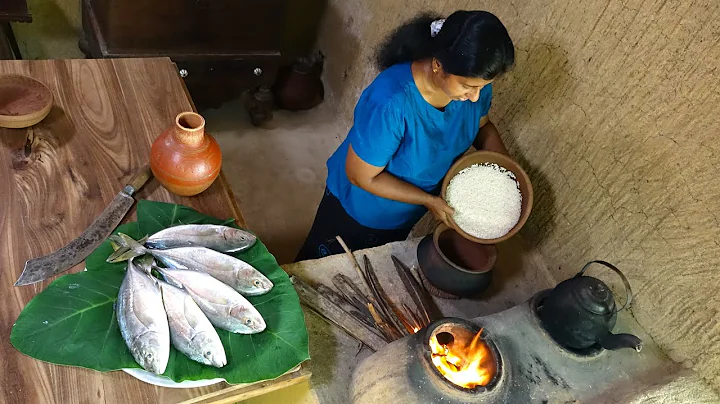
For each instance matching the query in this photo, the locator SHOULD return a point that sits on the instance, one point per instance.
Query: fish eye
(149, 356)
(248, 322)
(208, 354)
(257, 283)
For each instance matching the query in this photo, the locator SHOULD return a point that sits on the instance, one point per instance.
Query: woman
(420, 114)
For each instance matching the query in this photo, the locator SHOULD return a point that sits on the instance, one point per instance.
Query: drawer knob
(257, 71)
(183, 73)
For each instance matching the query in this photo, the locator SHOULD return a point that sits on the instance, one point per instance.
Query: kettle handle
(614, 268)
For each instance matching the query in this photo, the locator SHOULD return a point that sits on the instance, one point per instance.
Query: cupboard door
(193, 26)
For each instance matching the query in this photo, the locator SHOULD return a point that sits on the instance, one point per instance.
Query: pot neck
(190, 129)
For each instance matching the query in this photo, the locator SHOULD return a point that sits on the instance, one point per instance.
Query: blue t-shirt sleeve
(377, 132)
(485, 100)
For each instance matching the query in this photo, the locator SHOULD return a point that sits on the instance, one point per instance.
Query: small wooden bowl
(481, 157)
(24, 101)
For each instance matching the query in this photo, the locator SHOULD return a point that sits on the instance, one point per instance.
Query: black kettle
(581, 312)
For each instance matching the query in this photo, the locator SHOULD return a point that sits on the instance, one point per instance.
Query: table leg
(7, 30)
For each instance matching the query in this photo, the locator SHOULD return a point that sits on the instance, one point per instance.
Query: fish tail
(125, 248)
(117, 242)
(132, 244)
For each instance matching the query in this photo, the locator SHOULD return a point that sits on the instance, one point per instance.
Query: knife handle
(140, 178)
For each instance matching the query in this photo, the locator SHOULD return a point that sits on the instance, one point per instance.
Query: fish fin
(116, 240)
(162, 272)
(114, 257)
(125, 254)
(145, 263)
(132, 244)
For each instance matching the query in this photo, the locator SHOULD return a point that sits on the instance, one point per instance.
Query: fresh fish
(223, 306)
(190, 331)
(233, 272)
(142, 320)
(215, 237)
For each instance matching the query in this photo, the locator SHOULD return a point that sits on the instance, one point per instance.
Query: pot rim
(507, 163)
(492, 258)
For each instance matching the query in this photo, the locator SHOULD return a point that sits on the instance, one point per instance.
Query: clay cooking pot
(454, 264)
(184, 158)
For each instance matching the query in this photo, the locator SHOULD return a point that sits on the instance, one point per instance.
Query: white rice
(487, 200)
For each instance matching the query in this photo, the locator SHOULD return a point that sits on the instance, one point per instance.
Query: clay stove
(518, 363)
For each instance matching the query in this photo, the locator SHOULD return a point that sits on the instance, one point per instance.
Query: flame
(467, 366)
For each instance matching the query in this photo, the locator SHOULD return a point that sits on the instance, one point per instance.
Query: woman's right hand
(440, 209)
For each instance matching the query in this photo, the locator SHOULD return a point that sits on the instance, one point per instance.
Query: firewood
(417, 293)
(381, 324)
(352, 259)
(347, 288)
(337, 316)
(405, 319)
(417, 322)
(341, 302)
(385, 304)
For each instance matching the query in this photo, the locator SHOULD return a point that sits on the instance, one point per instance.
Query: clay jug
(184, 158)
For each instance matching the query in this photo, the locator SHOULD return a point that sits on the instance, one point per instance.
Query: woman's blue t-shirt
(396, 128)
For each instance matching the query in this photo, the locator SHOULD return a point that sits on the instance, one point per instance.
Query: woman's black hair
(470, 44)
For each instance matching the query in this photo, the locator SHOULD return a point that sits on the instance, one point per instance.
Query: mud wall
(613, 108)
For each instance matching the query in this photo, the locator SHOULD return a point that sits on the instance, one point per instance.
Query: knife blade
(73, 253)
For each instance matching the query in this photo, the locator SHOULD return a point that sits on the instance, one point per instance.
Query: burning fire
(466, 365)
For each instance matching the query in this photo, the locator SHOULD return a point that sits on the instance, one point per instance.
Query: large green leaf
(72, 322)
(78, 311)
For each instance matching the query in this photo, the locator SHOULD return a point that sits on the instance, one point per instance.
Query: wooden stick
(381, 325)
(345, 305)
(415, 319)
(351, 292)
(335, 315)
(385, 304)
(404, 319)
(420, 297)
(374, 298)
(353, 260)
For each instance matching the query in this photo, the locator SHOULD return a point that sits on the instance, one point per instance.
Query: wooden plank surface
(56, 177)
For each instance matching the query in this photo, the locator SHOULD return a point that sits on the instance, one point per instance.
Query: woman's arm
(381, 183)
(488, 138)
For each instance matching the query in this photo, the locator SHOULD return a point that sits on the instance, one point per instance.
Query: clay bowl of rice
(491, 194)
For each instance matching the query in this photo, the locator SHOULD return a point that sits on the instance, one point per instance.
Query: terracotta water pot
(300, 87)
(184, 158)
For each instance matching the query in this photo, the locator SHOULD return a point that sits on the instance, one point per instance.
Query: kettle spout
(618, 341)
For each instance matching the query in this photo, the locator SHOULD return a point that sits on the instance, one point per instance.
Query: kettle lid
(593, 295)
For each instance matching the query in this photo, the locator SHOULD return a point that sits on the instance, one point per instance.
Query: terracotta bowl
(24, 101)
(483, 156)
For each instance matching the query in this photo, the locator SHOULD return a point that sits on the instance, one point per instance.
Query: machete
(41, 268)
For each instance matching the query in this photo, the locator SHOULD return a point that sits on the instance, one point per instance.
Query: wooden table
(57, 176)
